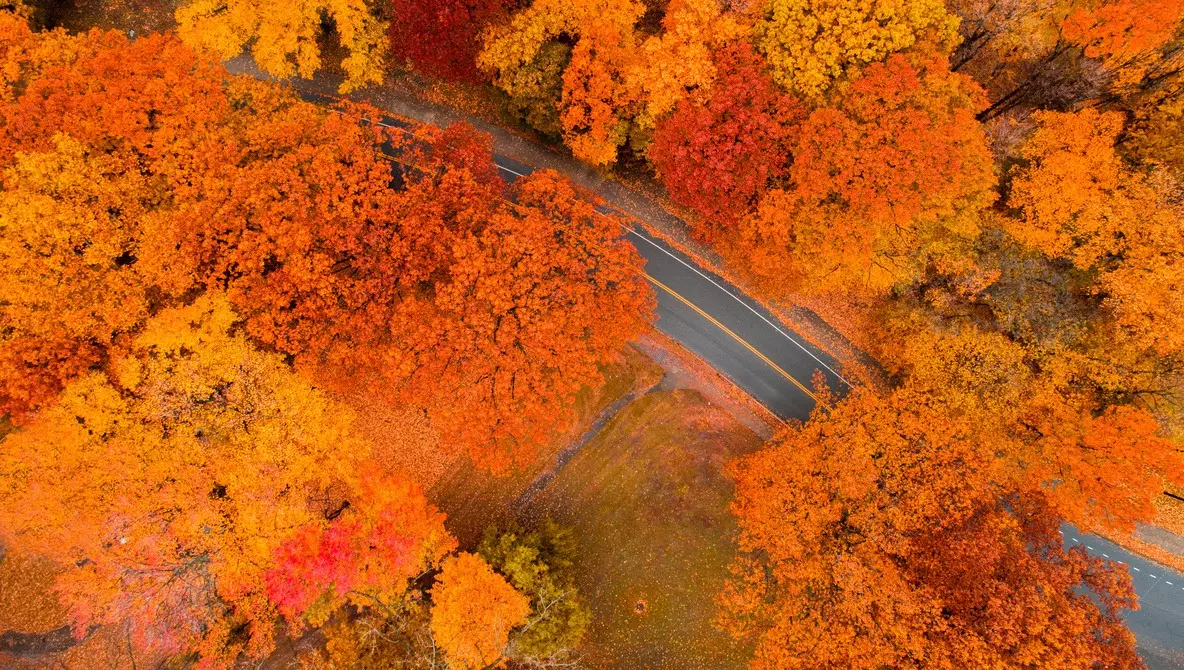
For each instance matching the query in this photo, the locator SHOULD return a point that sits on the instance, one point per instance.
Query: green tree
(539, 563)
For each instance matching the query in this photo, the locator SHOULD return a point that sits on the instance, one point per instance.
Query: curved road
(741, 339)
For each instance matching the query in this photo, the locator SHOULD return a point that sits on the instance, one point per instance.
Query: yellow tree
(596, 102)
(283, 39)
(681, 58)
(811, 43)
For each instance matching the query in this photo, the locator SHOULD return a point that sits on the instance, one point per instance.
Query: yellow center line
(733, 335)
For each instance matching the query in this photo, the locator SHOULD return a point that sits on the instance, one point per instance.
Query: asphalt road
(716, 321)
(1157, 624)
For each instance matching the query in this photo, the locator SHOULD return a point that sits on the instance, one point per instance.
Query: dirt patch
(686, 370)
(27, 601)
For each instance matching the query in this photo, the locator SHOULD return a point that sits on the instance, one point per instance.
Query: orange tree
(489, 311)
(875, 535)
(98, 137)
(891, 176)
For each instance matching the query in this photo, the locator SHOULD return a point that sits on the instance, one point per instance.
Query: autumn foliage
(284, 41)
(91, 149)
(987, 193)
(874, 538)
(719, 157)
(811, 43)
(897, 165)
(503, 302)
(489, 310)
(441, 39)
(168, 484)
(190, 257)
(475, 609)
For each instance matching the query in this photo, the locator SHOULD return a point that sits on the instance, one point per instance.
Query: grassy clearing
(474, 499)
(649, 503)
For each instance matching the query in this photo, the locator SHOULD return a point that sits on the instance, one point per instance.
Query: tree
(535, 302)
(536, 89)
(539, 564)
(872, 537)
(1080, 201)
(596, 101)
(365, 556)
(470, 619)
(680, 60)
(297, 223)
(284, 43)
(1057, 55)
(491, 313)
(719, 157)
(515, 44)
(1124, 35)
(810, 44)
(168, 486)
(473, 611)
(98, 137)
(442, 39)
(1070, 190)
(891, 178)
(1096, 463)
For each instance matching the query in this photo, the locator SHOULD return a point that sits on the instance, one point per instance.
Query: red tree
(717, 158)
(441, 38)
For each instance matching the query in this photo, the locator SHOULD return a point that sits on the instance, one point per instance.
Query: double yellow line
(733, 335)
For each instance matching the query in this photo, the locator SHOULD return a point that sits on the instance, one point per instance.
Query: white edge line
(746, 305)
(502, 167)
(693, 269)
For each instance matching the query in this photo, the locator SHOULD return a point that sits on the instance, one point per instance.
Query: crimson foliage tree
(717, 157)
(441, 38)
